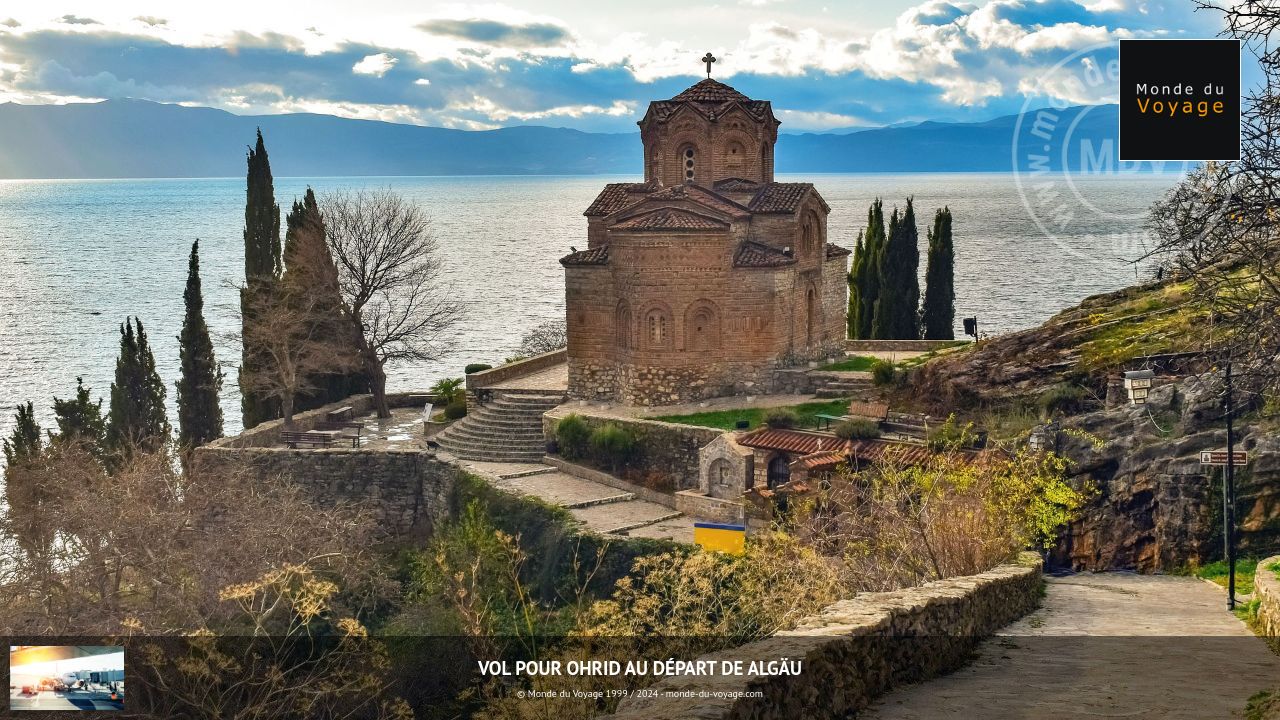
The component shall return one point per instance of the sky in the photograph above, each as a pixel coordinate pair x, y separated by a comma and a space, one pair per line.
593, 66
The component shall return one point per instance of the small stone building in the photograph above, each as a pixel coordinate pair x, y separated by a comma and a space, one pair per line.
707, 276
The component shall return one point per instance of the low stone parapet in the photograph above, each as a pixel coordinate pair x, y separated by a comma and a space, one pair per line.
1266, 588
517, 369
896, 345
853, 651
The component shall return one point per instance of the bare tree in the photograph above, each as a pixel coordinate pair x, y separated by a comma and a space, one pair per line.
1220, 227
547, 337
297, 341
390, 276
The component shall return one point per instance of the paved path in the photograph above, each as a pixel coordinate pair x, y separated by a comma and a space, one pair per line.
1107, 645
604, 509
554, 378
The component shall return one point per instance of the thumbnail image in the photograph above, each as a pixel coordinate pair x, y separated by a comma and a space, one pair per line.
66, 677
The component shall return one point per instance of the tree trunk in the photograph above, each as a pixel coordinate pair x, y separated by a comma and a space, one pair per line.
286, 408
378, 384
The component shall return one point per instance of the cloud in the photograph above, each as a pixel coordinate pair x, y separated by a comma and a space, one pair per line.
77, 20
151, 20
498, 33
376, 65
10, 23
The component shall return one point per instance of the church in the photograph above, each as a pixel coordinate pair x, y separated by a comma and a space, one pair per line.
707, 277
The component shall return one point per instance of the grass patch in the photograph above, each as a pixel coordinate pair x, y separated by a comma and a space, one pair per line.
856, 363
806, 414
1216, 573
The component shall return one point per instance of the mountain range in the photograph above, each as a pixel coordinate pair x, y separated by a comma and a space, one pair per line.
138, 138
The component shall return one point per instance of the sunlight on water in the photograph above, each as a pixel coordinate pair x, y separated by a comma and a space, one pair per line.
76, 257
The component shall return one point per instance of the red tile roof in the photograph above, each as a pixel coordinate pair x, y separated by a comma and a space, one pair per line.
835, 251
758, 255
736, 185
709, 90
797, 442
826, 460
779, 197
700, 195
617, 196
594, 256
671, 219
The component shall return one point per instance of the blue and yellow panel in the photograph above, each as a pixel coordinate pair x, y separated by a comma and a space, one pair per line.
715, 537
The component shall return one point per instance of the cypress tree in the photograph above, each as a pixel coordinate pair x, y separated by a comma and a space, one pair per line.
309, 269
137, 416
26, 495
939, 311
851, 317
897, 307
261, 265
866, 271
80, 420
199, 415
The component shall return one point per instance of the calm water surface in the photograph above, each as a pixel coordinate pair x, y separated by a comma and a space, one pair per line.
76, 257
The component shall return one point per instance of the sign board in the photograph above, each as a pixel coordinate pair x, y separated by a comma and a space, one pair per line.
731, 539
1219, 457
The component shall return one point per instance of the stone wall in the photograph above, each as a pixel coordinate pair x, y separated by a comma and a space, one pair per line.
517, 369
856, 650
267, 434
895, 345
1266, 588
408, 490
669, 450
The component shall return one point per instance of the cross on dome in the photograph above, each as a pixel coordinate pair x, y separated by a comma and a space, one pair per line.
708, 59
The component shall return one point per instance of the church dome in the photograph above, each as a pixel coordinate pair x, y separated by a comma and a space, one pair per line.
708, 90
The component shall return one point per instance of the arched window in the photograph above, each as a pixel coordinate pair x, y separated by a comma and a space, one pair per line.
657, 328
810, 233
810, 314
735, 155
623, 327
720, 473
689, 158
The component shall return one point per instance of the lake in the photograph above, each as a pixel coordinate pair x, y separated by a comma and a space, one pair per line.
77, 257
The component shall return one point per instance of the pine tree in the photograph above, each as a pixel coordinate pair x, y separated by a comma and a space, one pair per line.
309, 269
137, 417
897, 306
939, 313
199, 415
80, 420
866, 271
262, 260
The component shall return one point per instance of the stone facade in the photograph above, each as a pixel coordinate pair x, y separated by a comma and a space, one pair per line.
725, 468
704, 278
854, 651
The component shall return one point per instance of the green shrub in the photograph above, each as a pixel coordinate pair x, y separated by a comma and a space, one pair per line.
883, 372
857, 429
475, 368
951, 435
1063, 399
781, 418
611, 444
572, 435
447, 390
457, 408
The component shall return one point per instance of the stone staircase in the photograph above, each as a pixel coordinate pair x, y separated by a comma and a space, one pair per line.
506, 429
844, 384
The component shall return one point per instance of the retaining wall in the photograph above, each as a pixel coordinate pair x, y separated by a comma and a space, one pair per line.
856, 650
1266, 588
408, 490
267, 434
899, 345
669, 449
518, 369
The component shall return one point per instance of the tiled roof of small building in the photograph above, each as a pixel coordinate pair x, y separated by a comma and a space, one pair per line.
617, 196
671, 219
779, 197
796, 442
825, 460
754, 254
594, 256
835, 251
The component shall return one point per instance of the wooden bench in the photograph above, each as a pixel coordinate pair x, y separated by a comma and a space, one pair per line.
293, 438
343, 427
342, 413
